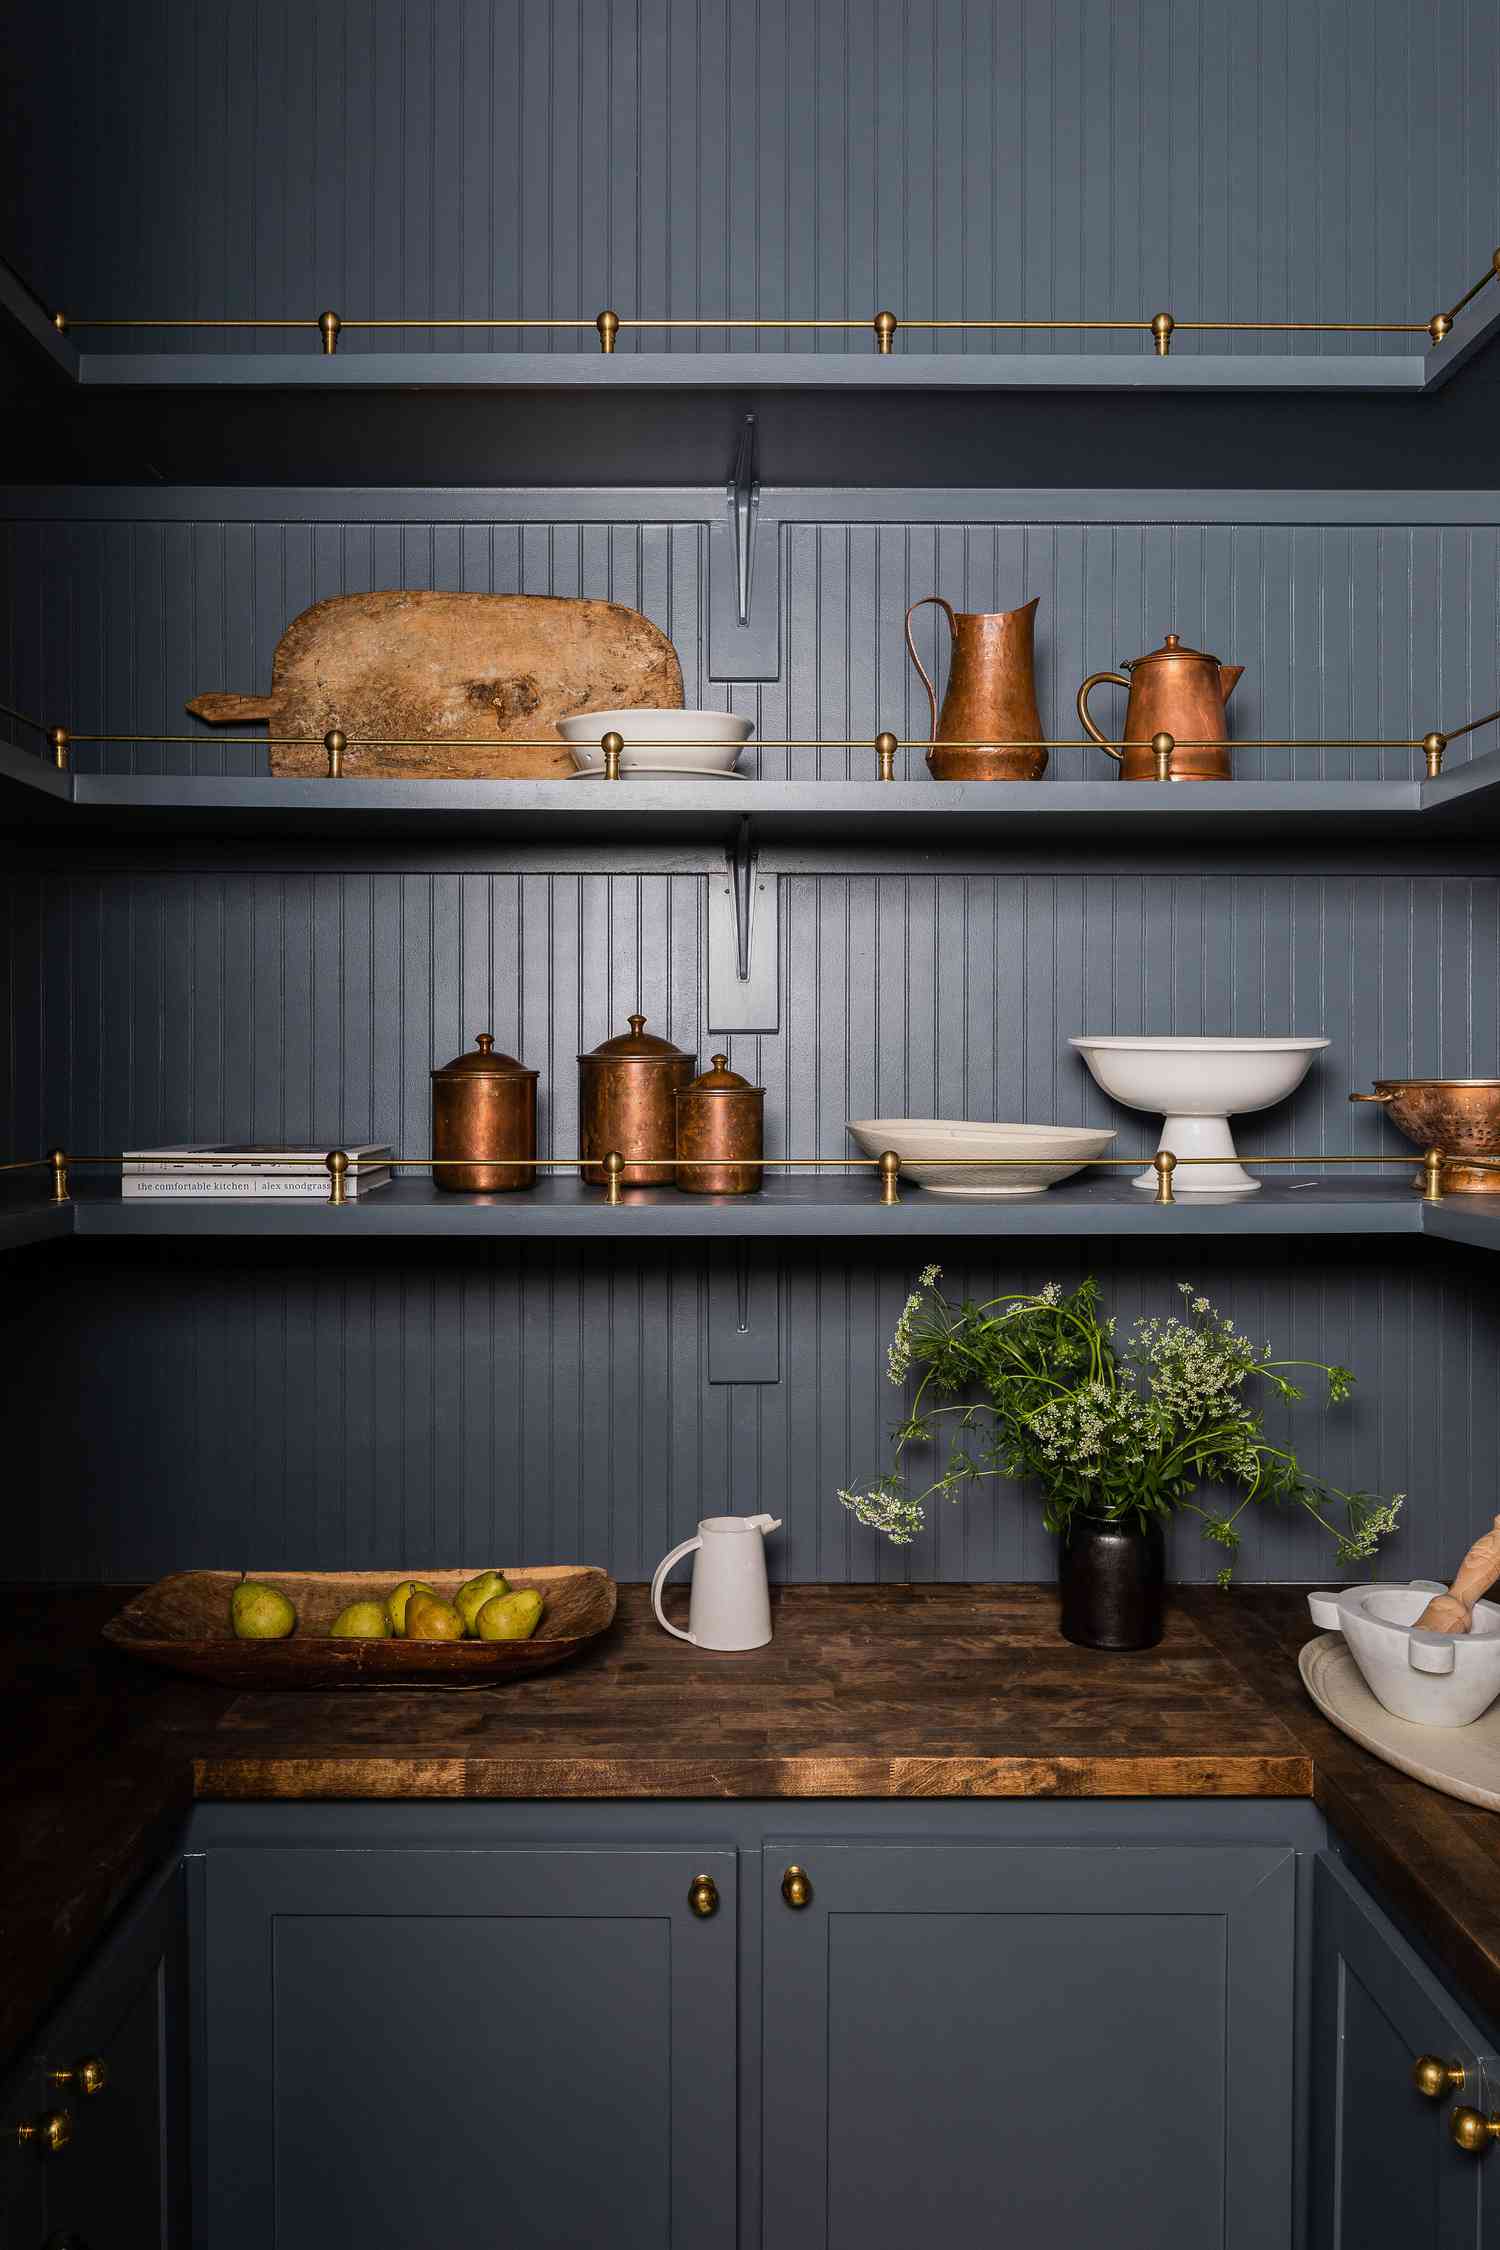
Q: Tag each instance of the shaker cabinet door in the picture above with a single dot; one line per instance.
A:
(528, 2047)
(1385, 2168)
(976, 2045)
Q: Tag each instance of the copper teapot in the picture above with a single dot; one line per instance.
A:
(1177, 691)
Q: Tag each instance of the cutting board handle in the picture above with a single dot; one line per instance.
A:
(233, 710)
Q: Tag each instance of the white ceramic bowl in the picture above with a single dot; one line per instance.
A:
(664, 741)
(923, 1142)
(1199, 1084)
(1436, 1679)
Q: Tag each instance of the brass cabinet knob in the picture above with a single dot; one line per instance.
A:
(796, 1887)
(1435, 2078)
(703, 1895)
(48, 2134)
(1471, 2132)
(90, 2076)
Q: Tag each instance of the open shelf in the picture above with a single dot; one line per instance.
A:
(787, 1209)
(1462, 804)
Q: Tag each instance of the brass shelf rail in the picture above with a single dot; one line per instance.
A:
(609, 325)
(336, 744)
(887, 1167)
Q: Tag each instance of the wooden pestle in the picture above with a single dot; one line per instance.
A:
(1453, 1612)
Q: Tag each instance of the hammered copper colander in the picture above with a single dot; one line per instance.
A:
(1461, 1116)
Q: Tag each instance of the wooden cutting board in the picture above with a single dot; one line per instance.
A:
(433, 668)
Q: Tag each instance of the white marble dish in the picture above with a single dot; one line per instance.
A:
(658, 741)
(922, 1143)
(1461, 1761)
(1198, 1085)
(1433, 1679)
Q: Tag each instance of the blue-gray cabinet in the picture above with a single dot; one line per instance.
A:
(1385, 2166)
(968, 2043)
(113, 2064)
(413, 2046)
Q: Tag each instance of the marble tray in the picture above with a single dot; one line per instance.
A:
(1461, 1761)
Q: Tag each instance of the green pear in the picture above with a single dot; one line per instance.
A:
(472, 1596)
(361, 1621)
(510, 1617)
(260, 1613)
(430, 1618)
(398, 1597)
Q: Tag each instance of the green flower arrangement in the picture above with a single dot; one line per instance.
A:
(1110, 1431)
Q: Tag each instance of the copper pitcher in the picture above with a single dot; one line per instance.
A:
(1177, 691)
(990, 697)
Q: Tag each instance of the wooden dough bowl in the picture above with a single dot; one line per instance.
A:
(433, 669)
(182, 1624)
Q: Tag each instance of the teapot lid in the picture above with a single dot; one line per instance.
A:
(1170, 648)
(639, 1044)
(721, 1080)
(482, 1059)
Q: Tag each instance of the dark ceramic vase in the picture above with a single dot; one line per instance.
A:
(1111, 1576)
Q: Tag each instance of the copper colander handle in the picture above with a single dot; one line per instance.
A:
(1372, 1097)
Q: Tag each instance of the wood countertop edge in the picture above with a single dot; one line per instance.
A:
(809, 1775)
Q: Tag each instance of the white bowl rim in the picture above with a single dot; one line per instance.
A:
(590, 725)
(1173, 1043)
(958, 1125)
(1353, 1598)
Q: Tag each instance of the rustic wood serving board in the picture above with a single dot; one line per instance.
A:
(435, 668)
(182, 1623)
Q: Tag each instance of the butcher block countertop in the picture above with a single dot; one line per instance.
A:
(866, 1691)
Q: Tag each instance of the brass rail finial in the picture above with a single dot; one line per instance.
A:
(1433, 746)
(886, 747)
(335, 742)
(1164, 1163)
(1439, 326)
(1432, 1176)
(59, 1164)
(608, 325)
(329, 325)
(338, 1172)
(614, 1165)
(885, 325)
(612, 744)
(59, 739)
(1162, 746)
(1161, 330)
(890, 1172)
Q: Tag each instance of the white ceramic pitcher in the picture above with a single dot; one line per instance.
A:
(731, 1602)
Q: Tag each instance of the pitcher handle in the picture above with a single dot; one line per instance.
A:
(1097, 679)
(911, 650)
(688, 1547)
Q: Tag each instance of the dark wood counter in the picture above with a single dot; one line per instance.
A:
(865, 1692)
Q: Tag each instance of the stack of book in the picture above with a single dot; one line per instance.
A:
(244, 1168)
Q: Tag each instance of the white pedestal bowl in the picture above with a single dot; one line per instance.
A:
(1198, 1085)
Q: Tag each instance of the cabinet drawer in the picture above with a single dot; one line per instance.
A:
(529, 2046)
(1061, 2045)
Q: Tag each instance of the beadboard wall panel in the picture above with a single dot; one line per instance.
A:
(458, 1406)
(1058, 158)
(203, 1004)
(1368, 629)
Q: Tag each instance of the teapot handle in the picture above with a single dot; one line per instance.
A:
(1097, 679)
(688, 1547)
(911, 650)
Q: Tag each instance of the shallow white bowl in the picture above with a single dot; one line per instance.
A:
(1199, 1084)
(923, 1142)
(689, 740)
(1436, 1679)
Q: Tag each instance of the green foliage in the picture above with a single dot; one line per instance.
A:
(1110, 1431)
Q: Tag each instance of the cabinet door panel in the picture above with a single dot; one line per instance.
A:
(1385, 2169)
(1072, 2045)
(534, 2046)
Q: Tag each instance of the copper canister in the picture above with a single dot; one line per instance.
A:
(484, 1110)
(721, 1120)
(627, 1092)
